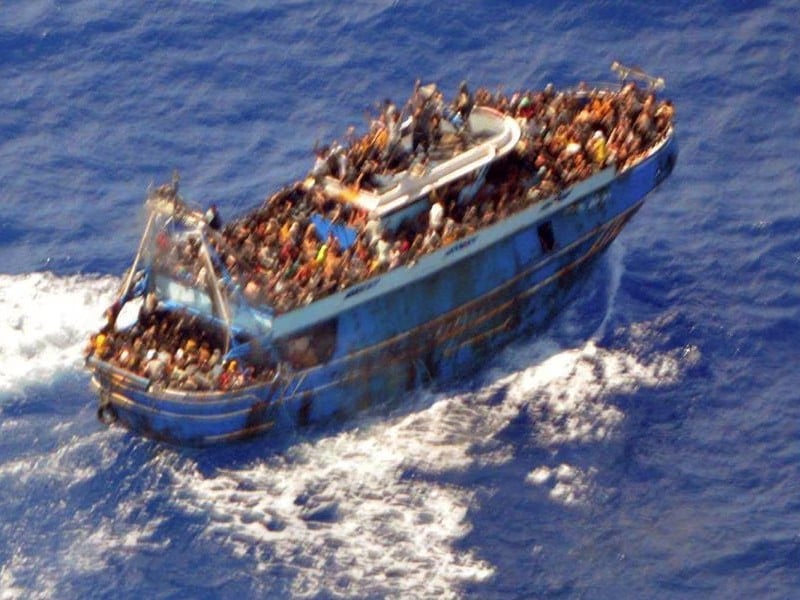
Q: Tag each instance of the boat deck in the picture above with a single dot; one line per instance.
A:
(274, 263)
(491, 135)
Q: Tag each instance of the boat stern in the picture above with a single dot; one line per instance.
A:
(181, 418)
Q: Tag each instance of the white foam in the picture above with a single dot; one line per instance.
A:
(341, 509)
(570, 485)
(370, 511)
(45, 322)
(386, 521)
(614, 256)
(565, 393)
(88, 554)
(86, 548)
(78, 459)
(365, 512)
(8, 588)
(73, 462)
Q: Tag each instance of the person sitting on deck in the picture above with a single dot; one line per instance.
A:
(382, 254)
(563, 142)
(436, 213)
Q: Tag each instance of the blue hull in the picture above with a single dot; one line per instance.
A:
(395, 332)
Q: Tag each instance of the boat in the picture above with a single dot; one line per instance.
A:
(407, 255)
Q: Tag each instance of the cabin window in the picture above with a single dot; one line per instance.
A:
(311, 347)
(546, 237)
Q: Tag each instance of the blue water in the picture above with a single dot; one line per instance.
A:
(646, 446)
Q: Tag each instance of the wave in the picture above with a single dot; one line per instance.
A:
(378, 509)
(375, 508)
(46, 322)
(77, 482)
(372, 510)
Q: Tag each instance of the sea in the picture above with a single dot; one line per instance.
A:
(645, 445)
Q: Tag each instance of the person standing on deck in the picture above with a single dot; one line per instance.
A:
(392, 124)
(423, 111)
(212, 218)
(463, 106)
(436, 213)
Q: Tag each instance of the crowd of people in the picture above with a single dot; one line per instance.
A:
(279, 258)
(175, 350)
(276, 256)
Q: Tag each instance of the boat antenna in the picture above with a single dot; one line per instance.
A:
(637, 73)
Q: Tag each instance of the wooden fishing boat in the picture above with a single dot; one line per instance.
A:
(436, 245)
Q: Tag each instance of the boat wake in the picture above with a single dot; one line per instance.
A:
(79, 479)
(46, 321)
(614, 259)
(372, 510)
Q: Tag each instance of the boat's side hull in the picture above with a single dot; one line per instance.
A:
(435, 327)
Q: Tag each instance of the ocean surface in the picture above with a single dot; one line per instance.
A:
(646, 445)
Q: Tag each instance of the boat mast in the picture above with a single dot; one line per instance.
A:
(214, 284)
(126, 288)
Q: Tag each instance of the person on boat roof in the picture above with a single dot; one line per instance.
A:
(570, 141)
(392, 123)
(463, 105)
(321, 167)
(212, 218)
(424, 108)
